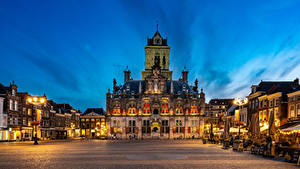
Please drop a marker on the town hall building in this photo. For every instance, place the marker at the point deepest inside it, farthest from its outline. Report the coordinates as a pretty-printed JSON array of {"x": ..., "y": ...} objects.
[{"x": 156, "y": 107}]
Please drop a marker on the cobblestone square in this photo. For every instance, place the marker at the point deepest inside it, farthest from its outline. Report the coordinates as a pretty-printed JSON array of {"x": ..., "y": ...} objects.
[{"x": 129, "y": 154}]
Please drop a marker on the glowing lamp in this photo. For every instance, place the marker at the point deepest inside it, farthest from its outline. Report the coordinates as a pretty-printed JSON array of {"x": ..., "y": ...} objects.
[
  {"x": 29, "y": 100},
  {"x": 42, "y": 100}
]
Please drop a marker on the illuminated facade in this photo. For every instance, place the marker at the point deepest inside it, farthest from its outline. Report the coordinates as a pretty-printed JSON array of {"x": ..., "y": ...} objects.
[
  {"x": 155, "y": 107},
  {"x": 93, "y": 123},
  {"x": 267, "y": 109}
]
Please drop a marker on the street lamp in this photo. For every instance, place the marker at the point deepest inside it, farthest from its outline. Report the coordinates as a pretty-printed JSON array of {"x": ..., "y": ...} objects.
[
  {"x": 239, "y": 102},
  {"x": 36, "y": 101}
]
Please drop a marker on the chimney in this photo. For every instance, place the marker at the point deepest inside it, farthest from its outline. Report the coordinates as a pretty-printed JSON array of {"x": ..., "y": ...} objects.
[
  {"x": 126, "y": 74},
  {"x": 185, "y": 75}
]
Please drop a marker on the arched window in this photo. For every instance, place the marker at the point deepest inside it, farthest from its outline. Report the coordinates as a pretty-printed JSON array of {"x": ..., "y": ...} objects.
[{"x": 155, "y": 112}]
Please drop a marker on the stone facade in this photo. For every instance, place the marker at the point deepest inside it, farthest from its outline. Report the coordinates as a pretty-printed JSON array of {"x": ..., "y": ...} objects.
[
  {"x": 155, "y": 107},
  {"x": 158, "y": 50}
]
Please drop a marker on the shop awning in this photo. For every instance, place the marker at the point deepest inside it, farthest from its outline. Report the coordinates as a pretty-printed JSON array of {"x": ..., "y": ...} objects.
[
  {"x": 288, "y": 125},
  {"x": 296, "y": 127}
]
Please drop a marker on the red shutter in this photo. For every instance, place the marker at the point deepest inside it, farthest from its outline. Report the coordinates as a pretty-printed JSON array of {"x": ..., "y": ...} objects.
[
  {"x": 183, "y": 129},
  {"x": 189, "y": 130},
  {"x": 136, "y": 130},
  {"x": 127, "y": 130},
  {"x": 160, "y": 130},
  {"x": 174, "y": 130}
]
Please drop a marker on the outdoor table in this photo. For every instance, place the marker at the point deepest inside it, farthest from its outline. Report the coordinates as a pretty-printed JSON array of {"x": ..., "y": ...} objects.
[{"x": 292, "y": 152}]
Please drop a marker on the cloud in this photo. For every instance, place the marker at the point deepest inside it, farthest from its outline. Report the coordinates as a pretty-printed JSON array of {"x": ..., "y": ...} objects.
[
  {"x": 60, "y": 73},
  {"x": 281, "y": 67}
]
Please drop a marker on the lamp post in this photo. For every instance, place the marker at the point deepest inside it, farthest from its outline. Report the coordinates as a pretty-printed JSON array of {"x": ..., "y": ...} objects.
[
  {"x": 36, "y": 101},
  {"x": 239, "y": 102}
]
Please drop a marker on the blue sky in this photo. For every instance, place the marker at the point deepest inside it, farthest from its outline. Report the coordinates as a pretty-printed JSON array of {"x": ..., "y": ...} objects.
[{"x": 71, "y": 50}]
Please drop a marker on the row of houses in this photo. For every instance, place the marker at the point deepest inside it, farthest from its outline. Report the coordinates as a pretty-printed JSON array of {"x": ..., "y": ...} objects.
[
  {"x": 272, "y": 109},
  {"x": 22, "y": 120}
]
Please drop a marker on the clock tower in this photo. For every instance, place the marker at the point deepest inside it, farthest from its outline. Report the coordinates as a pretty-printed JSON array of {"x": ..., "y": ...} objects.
[{"x": 157, "y": 50}]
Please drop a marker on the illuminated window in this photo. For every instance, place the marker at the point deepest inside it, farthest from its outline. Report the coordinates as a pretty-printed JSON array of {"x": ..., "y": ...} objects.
[
  {"x": 116, "y": 110},
  {"x": 276, "y": 117},
  {"x": 298, "y": 109},
  {"x": 131, "y": 111},
  {"x": 179, "y": 128},
  {"x": 179, "y": 109},
  {"x": 194, "y": 109},
  {"x": 16, "y": 106},
  {"x": 10, "y": 104},
  {"x": 292, "y": 111},
  {"x": 147, "y": 108},
  {"x": 194, "y": 126},
  {"x": 29, "y": 111},
  {"x": 164, "y": 108}
]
